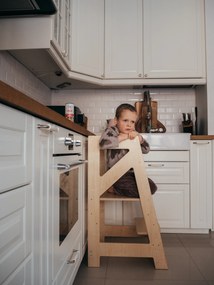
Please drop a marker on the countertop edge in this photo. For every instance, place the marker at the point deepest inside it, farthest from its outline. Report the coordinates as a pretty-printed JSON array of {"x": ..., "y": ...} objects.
[
  {"x": 202, "y": 137},
  {"x": 18, "y": 100}
]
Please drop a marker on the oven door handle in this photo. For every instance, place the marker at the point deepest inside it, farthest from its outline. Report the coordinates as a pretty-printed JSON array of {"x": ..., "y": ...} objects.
[{"x": 63, "y": 166}]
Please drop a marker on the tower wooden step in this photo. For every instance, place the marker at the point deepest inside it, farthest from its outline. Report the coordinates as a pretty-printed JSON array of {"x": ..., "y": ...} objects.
[{"x": 141, "y": 226}]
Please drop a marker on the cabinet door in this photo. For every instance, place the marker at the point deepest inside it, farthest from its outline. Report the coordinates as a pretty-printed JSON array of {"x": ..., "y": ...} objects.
[
  {"x": 123, "y": 39},
  {"x": 62, "y": 29},
  {"x": 15, "y": 229},
  {"x": 172, "y": 205},
  {"x": 201, "y": 184},
  {"x": 15, "y": 148},
  {"x": 88, "y": 37},
  {"x": 174, "y": 39}
]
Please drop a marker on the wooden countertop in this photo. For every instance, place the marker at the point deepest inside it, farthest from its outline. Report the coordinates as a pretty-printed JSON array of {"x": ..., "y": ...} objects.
[
  {"x": 16, "y": 99},
  {"x": 202, "y": 137}
]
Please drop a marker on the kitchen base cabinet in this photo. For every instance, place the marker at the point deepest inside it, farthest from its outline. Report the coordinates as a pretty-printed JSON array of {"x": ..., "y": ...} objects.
[
  {"x": 170, "y": 171},
  {"x": 33, "y": 250},
  {"x": 172, "y": 205},
  {"x": 201, "y": 184},
  {"x": 15, "y": 234},
  {"x": 15, "y": 148},
  {"x": 22, "y": 275}
]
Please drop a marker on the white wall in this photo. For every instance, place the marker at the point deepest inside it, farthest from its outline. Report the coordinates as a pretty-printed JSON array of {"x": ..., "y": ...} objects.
[
  {"x": 99, "y": 105},
  {"x": 16, "y": 75}
]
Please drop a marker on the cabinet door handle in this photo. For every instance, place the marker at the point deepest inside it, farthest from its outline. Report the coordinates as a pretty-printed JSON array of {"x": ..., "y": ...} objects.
[
  {"x": 74, "y": 256},
  {"x": 155, "y": 164},
  {"x": 48, "y": 127}
]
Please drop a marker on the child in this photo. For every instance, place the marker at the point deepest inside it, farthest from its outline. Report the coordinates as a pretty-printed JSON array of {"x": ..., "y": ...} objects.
[{"x": 122, "y": 127}]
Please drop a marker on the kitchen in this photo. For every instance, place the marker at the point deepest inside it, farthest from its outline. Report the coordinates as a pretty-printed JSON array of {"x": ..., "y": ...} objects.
[{"x": 99, "y": 103}]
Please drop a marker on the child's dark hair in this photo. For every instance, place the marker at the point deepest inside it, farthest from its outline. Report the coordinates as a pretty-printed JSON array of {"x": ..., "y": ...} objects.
[{"x": 123, "y": 107}]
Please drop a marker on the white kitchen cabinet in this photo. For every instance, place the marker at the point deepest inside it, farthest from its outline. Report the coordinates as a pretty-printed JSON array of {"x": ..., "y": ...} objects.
[
  {"x": 62, "y": 29},
  {"x": 174, "y": 39},
  {"x": 123, "y": 39},
  {"x": 68, "y": 271},
  {"x": 145, "y": 42},
  {"x": 201, "y": 184},
  {"x": 170, "y": 171},
  {"x": 16, "y": 148},
  {"x": 43, "y": 150},
  {"x": 16, "y": 236},
  {"x": 33, "y": 39},
  {"x": 88, "y": 37}
]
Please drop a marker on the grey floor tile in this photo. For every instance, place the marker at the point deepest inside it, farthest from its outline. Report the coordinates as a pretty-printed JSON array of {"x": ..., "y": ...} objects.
[
  {"x": 86, "y": 272},
  {"x": 181, "y": 268},
  {"x": 204, "y": 259},
  {"x": 89, "y": 281},
  {"x": 197, "y": 240},
  {"x": 190, "y": 259}
]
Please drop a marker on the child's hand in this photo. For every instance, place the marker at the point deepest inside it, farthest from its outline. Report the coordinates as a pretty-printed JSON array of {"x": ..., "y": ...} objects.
[
  {"x": 135, "y": 134},
  {"x": 132, "y": 135}
]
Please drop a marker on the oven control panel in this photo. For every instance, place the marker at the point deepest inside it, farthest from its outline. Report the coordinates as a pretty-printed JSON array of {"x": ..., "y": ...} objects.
[{"x": 66, "y": 141}]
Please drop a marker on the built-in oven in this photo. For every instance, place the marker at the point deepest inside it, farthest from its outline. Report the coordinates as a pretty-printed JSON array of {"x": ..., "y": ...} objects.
[{"x": 68, "y": 168}]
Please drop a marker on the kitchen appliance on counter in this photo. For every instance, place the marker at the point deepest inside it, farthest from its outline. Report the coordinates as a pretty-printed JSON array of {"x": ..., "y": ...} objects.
[
  {"x": 79, "y": 117},
  {"x": 147, "y": 116}
]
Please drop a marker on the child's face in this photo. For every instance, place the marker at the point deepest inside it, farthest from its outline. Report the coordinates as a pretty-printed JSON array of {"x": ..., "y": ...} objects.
[{"x": 126, "y": 121}]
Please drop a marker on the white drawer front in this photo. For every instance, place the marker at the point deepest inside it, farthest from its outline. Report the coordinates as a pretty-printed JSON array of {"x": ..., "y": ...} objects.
[
  {"x": 167, "y": 155},
  {"x": 168, "y": 172},
  {"x": 15, "y": 148},
  {"x": 71, "y": 264},
  {"x": 15, "y": 229}
]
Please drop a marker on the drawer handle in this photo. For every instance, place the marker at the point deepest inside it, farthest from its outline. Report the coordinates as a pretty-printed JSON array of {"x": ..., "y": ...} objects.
[
  {"x": 155, "y": 164},
  {"x": 74, "y": 256},
  {"x": 201, "y": 143}
]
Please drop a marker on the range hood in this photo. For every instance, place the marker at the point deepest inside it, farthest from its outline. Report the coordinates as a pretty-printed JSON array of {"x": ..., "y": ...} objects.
[{"x": 26, "y": 7}]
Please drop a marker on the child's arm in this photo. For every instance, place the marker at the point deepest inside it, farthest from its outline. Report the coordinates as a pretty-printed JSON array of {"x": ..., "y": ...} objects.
[{"x": 109, "y": 138}]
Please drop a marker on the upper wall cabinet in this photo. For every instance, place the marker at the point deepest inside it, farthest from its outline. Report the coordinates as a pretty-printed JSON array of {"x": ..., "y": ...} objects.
[
  {"x": 123, "y": 39},
  {"x": 145, "y": 41},
  {"x": 62, "y": 29},
  {"x": 33, "y": 39},
  {"x": 174, "y": 43},
  {"x": 113, "y": 42},
  {"x": 88, "y": 37}
]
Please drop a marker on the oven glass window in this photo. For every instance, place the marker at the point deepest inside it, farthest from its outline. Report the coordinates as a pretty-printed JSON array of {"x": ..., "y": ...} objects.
[{"x": 68, "y": 207}]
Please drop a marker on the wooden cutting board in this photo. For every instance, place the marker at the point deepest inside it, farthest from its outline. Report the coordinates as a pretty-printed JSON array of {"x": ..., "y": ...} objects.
[{"x": 141, "y": 108}]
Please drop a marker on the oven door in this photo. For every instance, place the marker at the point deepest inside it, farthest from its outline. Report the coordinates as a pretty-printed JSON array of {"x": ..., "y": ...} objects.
[{"x": 67, "y": 210}]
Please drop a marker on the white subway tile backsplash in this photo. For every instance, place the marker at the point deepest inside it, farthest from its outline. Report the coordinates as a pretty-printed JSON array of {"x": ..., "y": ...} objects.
[{"x": 99, "y": 105}]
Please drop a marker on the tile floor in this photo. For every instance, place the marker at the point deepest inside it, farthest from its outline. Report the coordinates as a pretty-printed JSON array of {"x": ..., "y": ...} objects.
[{"x": 190, "y": 260}]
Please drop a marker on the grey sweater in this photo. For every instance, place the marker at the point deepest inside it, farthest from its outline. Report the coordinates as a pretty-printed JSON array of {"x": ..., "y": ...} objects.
[{"x": 109, "y": 140}]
